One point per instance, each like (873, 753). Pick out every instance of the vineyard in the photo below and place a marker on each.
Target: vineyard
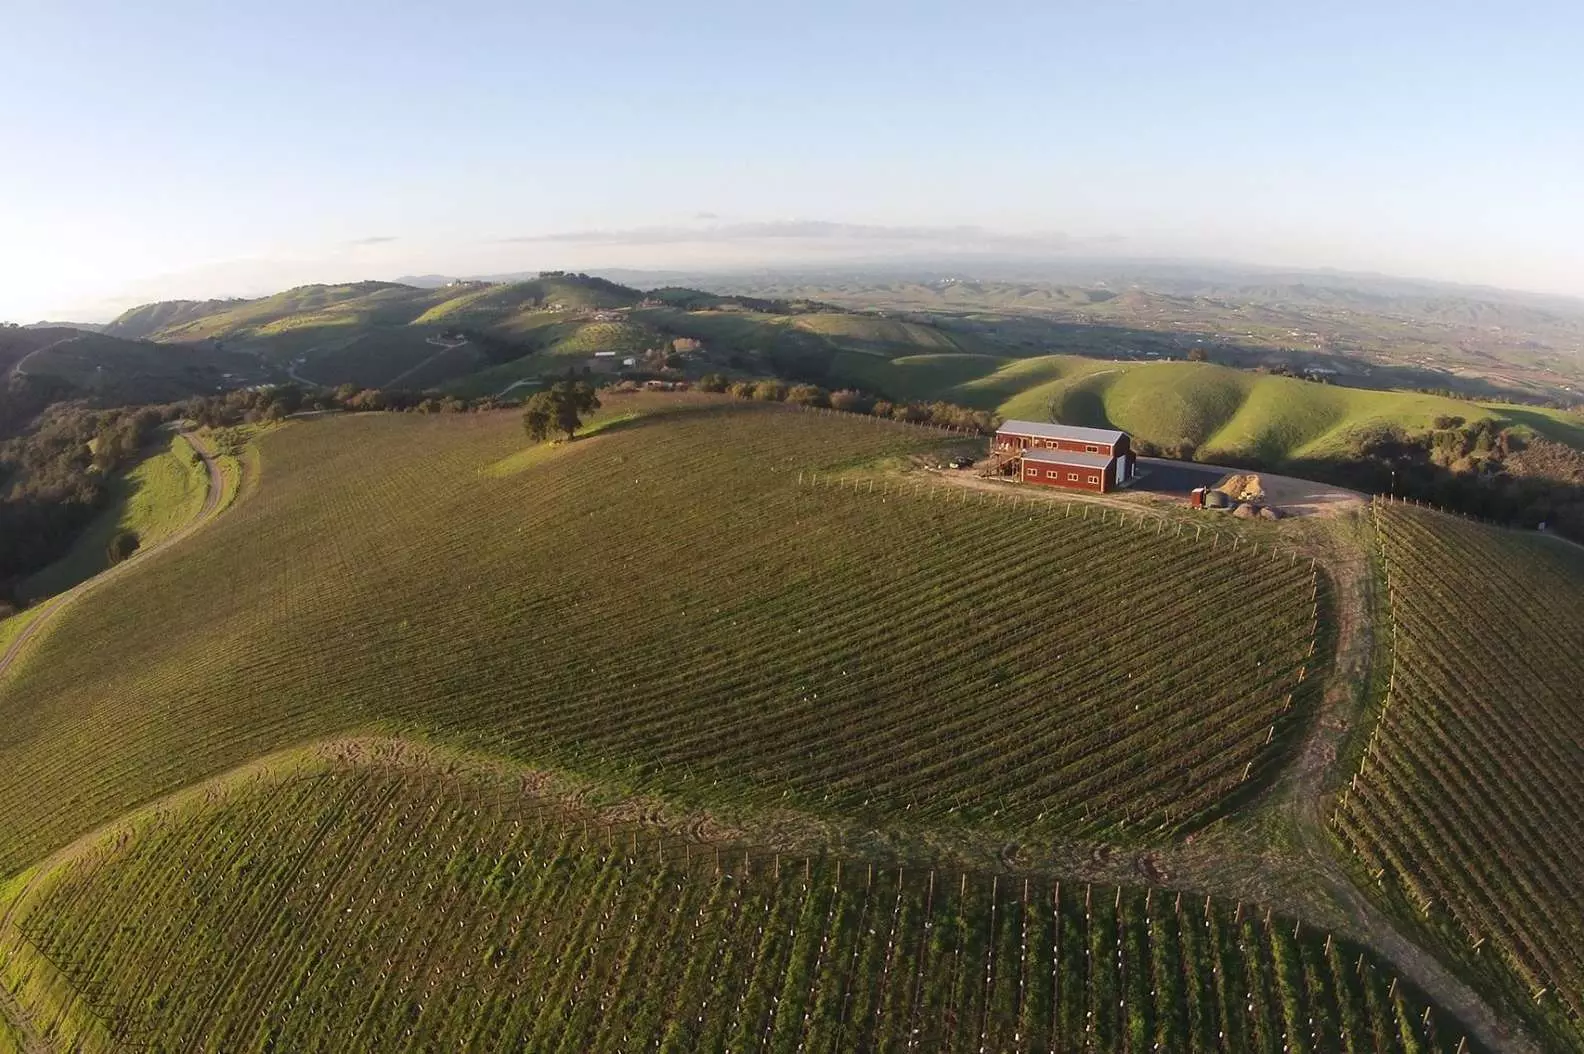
(1466, 806)
(703, 601)
(373, 903)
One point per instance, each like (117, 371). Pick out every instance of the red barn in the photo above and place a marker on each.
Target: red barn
(1097, 459)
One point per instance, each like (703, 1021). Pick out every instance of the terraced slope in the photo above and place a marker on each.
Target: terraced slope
(391, 903)
(666, 606)
(1466, 807)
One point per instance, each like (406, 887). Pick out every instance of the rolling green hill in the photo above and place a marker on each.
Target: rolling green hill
(436, 738)
(378, 334)
(375, 897)
(116, 371)
(381, 334)
(1464, 810)
(796, 562)
(305, 307)
(144, 321)
(1223, 412)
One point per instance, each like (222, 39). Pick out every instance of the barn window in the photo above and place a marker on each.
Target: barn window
(1092, 449)
(1052, 474)
(1094, 479)
(1072, 476)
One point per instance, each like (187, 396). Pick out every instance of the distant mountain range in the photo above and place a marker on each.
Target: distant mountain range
(493, 335)
(1288, 286)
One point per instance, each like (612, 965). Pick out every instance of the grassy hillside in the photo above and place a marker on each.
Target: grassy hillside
(145, 321)
(504, 305)
(114, 371)
(866, 331)
(152, 500)
(375, 334)
(1222, 411)
(778, 642)
(305, 307)
(325, 310)
(382, 901)
(544, 689)
(1465, 808)
(560, 346)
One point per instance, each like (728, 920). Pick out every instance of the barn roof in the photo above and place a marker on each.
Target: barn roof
(1074, 433)
(1067, 457)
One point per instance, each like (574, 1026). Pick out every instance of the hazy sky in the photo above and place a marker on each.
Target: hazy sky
(167, 149)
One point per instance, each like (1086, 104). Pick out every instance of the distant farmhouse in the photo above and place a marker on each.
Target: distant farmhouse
(1096, 459)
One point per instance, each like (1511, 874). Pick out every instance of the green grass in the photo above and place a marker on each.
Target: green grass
(868, 331)
(12, 627)
(566, 346)
(911, 376)
(154, 499)
(1563, 426)
(116, 371)
(539, 453)
(1465, 805)
(621, 337)
(311, 315)
(1222, 411)
(497, 379)
(377, 897)
(739, 621)
(377, 574)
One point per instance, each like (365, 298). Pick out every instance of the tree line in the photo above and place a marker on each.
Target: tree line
(254, 405)
(54, 479)
(1481, 469)
(850, 400)
(57, 458)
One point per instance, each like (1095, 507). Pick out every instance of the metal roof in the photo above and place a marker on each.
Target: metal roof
(1075, 433)
(1067, 457)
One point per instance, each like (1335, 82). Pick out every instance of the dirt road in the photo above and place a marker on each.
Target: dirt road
(1294, 496)
(1303, 880)
(52, 607)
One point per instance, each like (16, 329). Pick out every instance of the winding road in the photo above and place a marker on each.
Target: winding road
(42, 615)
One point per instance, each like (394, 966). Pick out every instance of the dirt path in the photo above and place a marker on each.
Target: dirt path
(1296, 870)
(1300, 794)
(1302, 879)
(1297, 497)
(10, 1010)
(51, 607)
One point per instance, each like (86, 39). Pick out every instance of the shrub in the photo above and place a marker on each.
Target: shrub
(850, 401)
(123, 545)
(808, 395)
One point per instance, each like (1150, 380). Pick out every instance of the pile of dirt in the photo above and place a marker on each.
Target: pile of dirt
(1241, 487)
(1246, 512)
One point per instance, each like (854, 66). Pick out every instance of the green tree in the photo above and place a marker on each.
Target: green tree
(808, 395)
(559, 408)
(123, 545)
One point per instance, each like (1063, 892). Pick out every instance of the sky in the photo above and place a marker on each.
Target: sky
(171, 149)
